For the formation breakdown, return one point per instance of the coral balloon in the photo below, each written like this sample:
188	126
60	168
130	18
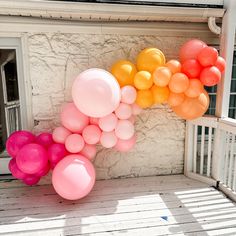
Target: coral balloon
174	66
143	80
161	76
179	82
60	134
194	89
128	94
44	139
149	59
124	129
56	152
123	111
74	143
207	56
108	139
73	119
93	121
108	123
160	94
191	68
220	64
73	177
175	99
210	76
125	145
31	180
16	172
96	93
91	134
136	110
89	151
124	72
144	98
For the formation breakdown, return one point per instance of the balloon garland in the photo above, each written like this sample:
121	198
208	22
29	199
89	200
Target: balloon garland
103	112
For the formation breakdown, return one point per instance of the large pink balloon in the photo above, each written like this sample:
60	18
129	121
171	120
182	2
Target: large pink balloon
17	140
89	151
124	129
73	177
108	123
96	92
60	134
16	172
123	111
32	158
108	139
73	119
56	152
91	134
74	143
44	139
125	145
128	94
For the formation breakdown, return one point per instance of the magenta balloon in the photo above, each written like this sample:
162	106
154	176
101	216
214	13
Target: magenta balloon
108	123
108	139
73	177
96	92
128	94
44	171
44	139
124	129
123	111
16	172
74	143
125	145
60	134
17	140
89	151
32	158
73	119
31	180
56	152
91	134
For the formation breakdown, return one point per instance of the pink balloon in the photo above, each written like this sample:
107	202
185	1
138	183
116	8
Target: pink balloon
124	111
124	129
44	171
91	134
74	177
132	119
32	158
128	94
16	172
44	139
136	110
96	92
31	180
73	119
125	145
108	139
108	123
56	152
60	134
74	143
89	151
93	121
17	140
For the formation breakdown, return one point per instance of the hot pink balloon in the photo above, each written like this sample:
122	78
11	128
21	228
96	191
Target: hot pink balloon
125	145
108	139
136	110
32	158
128	94
44	171
93	121
123	111
108	123
73	177
91	134
96	92
74	143
16	172
44	139
31	180
89	151
60	134
124	129
73	119
17	140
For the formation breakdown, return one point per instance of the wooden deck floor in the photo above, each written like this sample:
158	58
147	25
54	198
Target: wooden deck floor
165	205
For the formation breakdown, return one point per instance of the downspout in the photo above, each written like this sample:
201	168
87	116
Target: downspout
214	28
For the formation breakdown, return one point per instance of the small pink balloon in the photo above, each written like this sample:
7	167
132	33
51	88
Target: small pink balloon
108	123
73	119
128	94
44	171
17	140
123	111
31	180
16	172
125	145
124	129
44	139
32	158
89	151
73	177
136	110
74	143
60	134
91	134
132	119
108	139
93	121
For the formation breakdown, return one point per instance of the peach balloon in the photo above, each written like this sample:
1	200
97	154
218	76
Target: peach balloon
128	94
125	145
89	151
174	66
124	129
108	139
194	89
123	111
108	123
136	110
91	134
175	99
161	76
179	82
144	98
143	80
74	143
160	94
60	134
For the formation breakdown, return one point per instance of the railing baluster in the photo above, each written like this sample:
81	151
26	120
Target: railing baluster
202	150
226	158
195	149
234	174
209	151
231	161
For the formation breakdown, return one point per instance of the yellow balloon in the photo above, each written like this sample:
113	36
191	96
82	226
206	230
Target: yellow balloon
124	72
144	98
160	94
143	80
149	59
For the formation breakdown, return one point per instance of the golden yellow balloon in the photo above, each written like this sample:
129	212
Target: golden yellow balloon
124	72
149	59
144	98
160	94
143	80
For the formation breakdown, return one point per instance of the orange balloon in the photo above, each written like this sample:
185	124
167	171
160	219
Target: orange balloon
174	66
124	72
161	76
143	80
175	99
149	59
144	98
179	82
160	94
193	108
194	89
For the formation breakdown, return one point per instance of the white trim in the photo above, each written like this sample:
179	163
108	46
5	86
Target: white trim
228	192
201	178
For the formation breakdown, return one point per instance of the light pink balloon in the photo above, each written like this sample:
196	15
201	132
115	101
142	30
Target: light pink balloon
124	129
91	134
132	119
96	92
73	177
125	145
108	139
74	143
128	94
89	151
93	121
73	119
136	110
60	134
31	180
108	123
16	172
123	111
